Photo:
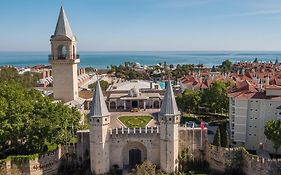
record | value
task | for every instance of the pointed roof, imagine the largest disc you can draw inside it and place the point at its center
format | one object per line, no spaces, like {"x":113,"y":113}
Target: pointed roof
{"x":63,"y":28}
{"x":276,"y":61}
{"x":169,"y":105}
{"x":98,"y":106}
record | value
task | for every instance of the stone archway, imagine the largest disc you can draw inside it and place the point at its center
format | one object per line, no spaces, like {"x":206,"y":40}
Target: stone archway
{"x":133,"y":153}
{"x":156,"y":104}
{"x":112,"y":105}
{"x":134,"y":157}
{"x":135,"y":104}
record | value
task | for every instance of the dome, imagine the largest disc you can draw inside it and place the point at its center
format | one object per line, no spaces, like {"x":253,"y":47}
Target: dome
{"x":134,"y":92}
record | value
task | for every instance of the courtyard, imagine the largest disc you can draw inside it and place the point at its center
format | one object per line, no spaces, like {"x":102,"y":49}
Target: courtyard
{"x":116,"y":123}
{"x":135,"y":121}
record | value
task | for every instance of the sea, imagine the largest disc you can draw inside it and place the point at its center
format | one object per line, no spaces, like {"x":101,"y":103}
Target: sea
{"x":101,"y":60}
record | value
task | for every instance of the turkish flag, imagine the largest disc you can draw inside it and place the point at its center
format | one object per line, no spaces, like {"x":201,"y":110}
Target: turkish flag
{"x":202,"y":125}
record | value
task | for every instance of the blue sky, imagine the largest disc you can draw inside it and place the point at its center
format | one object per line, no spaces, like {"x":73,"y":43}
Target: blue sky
{"x":144,"y":25}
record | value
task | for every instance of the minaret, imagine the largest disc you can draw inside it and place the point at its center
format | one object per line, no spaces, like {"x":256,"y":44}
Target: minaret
{"x":99,"y":119}
{"x":169,"y":118}
{"x":64,"y":61}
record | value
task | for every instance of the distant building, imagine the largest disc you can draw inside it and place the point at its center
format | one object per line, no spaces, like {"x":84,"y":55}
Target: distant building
{"x":126,"y":95}
{"x":250,"y":107}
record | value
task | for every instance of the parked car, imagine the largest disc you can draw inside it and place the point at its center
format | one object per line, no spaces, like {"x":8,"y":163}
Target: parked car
{"x":135,"y":110}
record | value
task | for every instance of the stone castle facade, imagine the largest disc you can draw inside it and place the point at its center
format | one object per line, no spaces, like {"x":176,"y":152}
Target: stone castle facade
{"x":114,"y":147}
{"x":126,"y":147}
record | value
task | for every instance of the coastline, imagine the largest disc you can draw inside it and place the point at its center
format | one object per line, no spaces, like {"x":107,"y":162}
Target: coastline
{"x":102,"y":60}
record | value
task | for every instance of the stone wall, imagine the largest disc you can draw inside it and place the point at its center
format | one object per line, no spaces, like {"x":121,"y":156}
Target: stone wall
{"x":121,"y":138}
{"x":46,"y":164}
{"x":145,"y":139}
{"x":191,"y":138}
{"x":220,"y":158}
{"x":83,"y":145}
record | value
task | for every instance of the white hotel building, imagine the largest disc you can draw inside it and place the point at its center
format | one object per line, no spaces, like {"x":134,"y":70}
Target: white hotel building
{"x":250,"y":107}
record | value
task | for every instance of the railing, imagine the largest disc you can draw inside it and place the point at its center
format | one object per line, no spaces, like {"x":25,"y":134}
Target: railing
{"x":63,"y":57}
{"x":146,"y":130}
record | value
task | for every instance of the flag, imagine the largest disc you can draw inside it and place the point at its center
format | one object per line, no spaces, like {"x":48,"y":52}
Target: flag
{"x":202,"y":125}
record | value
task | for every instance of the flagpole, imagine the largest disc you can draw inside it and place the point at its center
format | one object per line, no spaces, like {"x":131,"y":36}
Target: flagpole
{"x":193,"y":140}
{"x":201,"y":138}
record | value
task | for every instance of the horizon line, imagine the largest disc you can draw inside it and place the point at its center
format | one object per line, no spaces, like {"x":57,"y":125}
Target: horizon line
{"x":149,"y":51}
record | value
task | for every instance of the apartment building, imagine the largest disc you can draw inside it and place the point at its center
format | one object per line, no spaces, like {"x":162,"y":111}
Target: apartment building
{"x":250,"y":107}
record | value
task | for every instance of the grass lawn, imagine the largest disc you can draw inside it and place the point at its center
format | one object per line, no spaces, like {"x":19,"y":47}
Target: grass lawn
{"x":135,"y":121}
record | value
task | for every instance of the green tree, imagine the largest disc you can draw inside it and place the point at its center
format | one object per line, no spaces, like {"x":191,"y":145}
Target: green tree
{"x":215,"y":98}
{"x":104,"y":85}
{"x":256,"y":60}
{"x":223,"y":133}
{"x":146,"y":168}
{"x":30,"y":122}
{"x":217,"y":138}
{"x":226,"y":66}
{"x":89,"y":69}
{"x":189,"y":101}
{"x":27,"y":79}
{"x":273,"y":132}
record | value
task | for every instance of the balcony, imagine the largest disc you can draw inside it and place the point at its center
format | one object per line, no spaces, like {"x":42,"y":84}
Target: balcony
{"x":63,"y":57}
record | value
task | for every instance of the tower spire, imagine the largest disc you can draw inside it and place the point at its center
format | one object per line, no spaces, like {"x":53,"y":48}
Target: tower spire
{"x":98,"y":107}
{"x":63,"y":27}
{"x":169,"y":105}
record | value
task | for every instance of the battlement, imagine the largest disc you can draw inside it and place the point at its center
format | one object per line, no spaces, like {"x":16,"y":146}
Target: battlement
{"x":134,"y":131}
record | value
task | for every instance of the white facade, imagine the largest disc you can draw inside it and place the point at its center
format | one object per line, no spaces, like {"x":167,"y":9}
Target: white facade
{"x":248,"y":117}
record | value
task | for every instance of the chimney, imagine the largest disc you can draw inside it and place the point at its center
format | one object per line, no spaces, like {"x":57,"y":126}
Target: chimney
{"x":260,"y":85}
{"x":267,"y":80}
{"x":243,"y":71}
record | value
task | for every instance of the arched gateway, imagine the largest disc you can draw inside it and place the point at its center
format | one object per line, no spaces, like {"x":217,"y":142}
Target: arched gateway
{"x":133,"y":153}
{"x":127,"y":147}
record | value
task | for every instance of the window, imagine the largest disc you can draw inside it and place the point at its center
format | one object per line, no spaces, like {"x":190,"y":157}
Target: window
{"x":62,"y":52}
{"x":98,"y":120}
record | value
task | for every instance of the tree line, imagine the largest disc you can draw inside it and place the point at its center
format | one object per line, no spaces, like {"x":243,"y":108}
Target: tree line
{"x":29,"y":122}
{"x":213,"y":99}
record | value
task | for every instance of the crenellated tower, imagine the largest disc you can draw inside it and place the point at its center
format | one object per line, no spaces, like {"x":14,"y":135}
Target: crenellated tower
{"x":169,"y":118}
{"x":99,"y":119}
{"x":64,"y":61}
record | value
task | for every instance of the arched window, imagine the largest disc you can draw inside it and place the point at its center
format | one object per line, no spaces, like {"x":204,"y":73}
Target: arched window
{"x":74,"y":51}
{"x":62,"y":52}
